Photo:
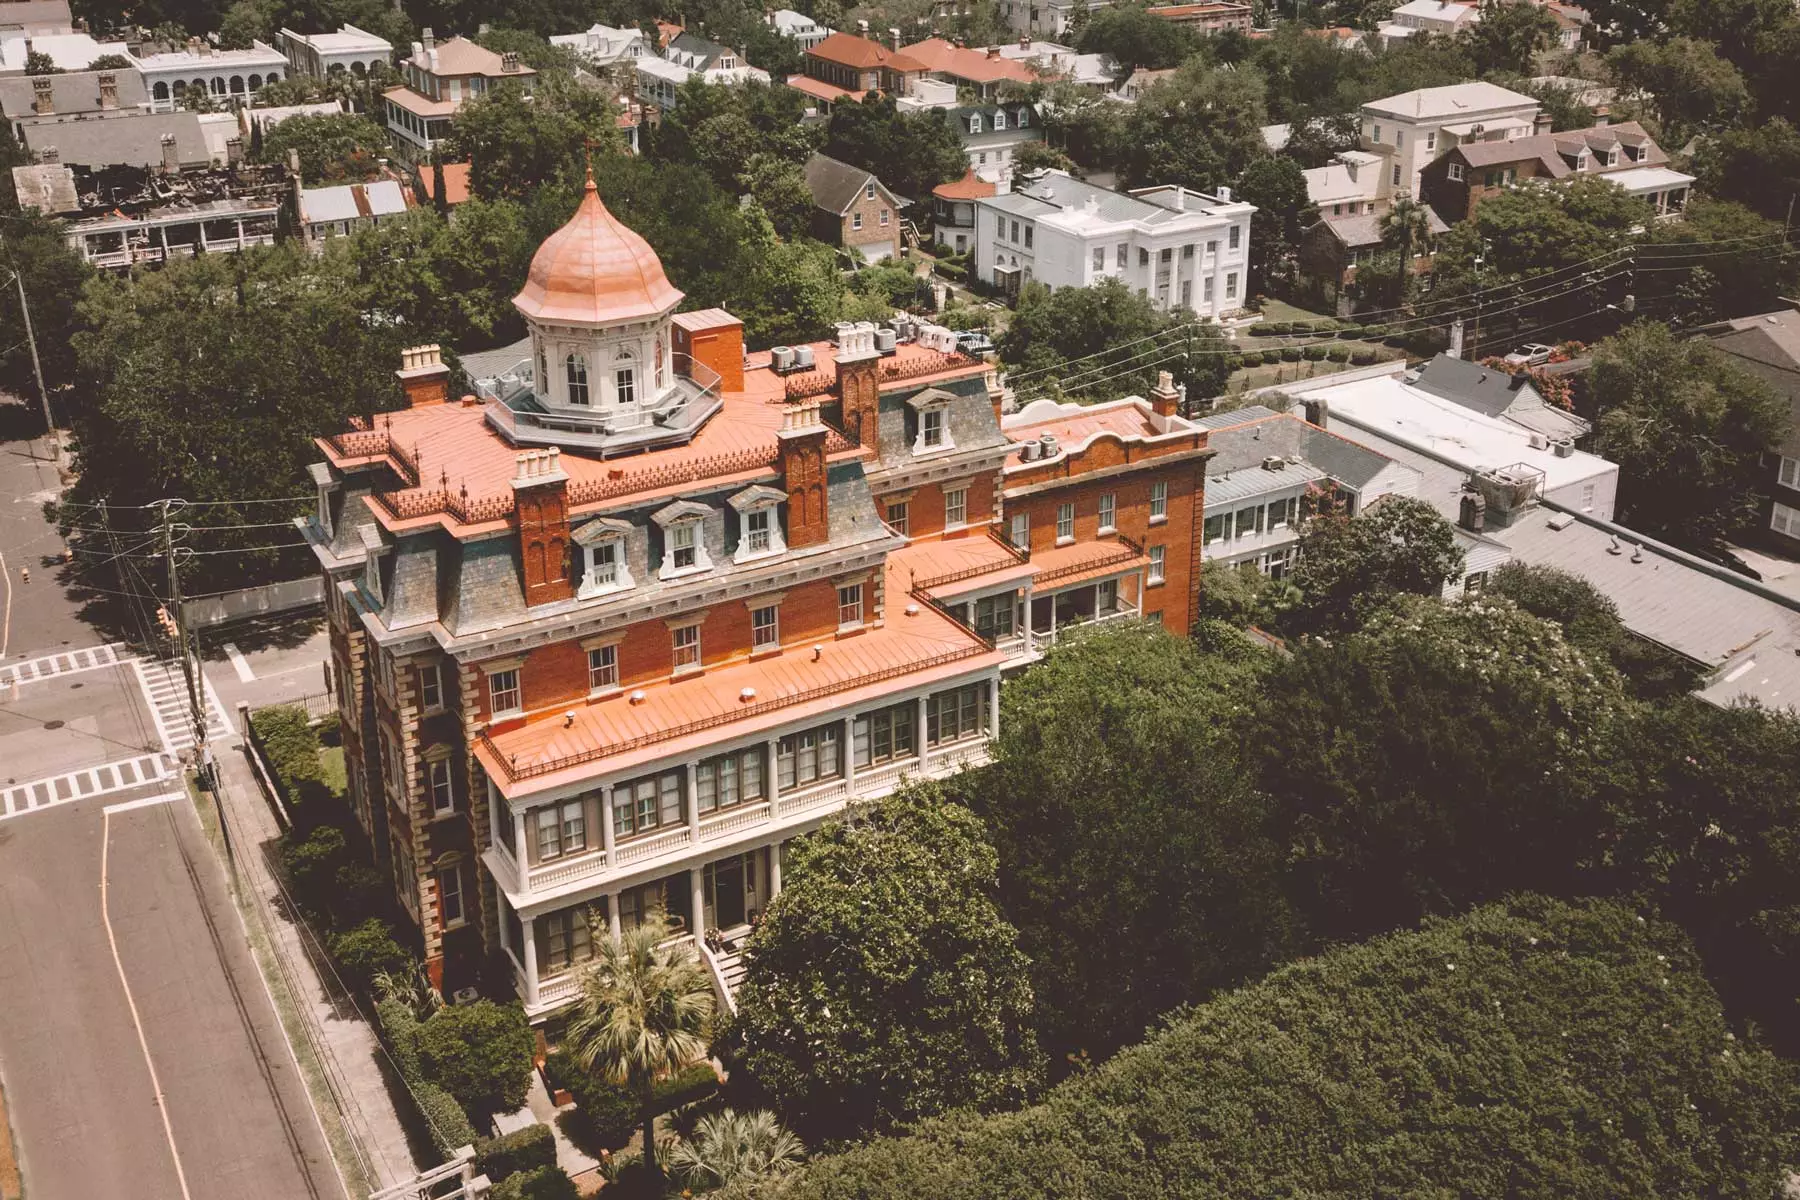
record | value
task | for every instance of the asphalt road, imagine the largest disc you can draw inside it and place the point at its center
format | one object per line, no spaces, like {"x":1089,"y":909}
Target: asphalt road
{"x":44,"y":616}
{"x":81,"y":1031}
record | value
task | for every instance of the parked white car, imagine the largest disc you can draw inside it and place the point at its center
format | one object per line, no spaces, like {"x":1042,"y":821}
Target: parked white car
{"x":1532,"y":354}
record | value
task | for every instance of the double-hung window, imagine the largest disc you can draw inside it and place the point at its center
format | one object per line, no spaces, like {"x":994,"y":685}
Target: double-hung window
{"x":1214,"y":529}
{"x":765,"y":628}
{"x":1785,"y":519}
{"x":1065,"y":522}
{"x":956,"y":506}
{"x":450,"y":897}
{"x":756,"y":529}
{"x":899,"y":517}
{"x":1157,"y":554}
{"x":810,"y":756}
{"x":994,"y":616}
{"x":1021,"y":531}
{"x":561,"y":830}
{"x":1108,"y":509}
{"x":443,"y":791}
{"x":431,"y":686}
{"x":931,"y":428}
{"x":625,"y":385}
{"x":1159,"y":500}
{"x":685,"y":645}
{"x":729,"y":779}
{"x":1790,"y":472}
{"x":1235,"y":238}
{"x":850,"y":605}
{"x":684,"y":541}
{"x":503,"y":692}
{"x":886,"y":735}
{"x":575,"y":375}
{"x":603,"y":668}
{"x":958,"y":713}
{"x":646,"y":804}
{"x":567,"y":941}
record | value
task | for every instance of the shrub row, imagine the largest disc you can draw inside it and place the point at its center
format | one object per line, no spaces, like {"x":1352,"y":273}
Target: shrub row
{"x":542,"y":1183}
{"x":290,"y":748}
{"x":950,"y":270}
{"x":609,"y":1111}
{"x":524,"y":1149}
{"x":445,"y":1119}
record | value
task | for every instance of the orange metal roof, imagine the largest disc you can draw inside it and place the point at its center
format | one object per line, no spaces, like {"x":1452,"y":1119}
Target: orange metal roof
{"x":912,"y":648}
{"x":862,"y":53}
{"x":1072,"y":429}
{"x":969,"y":187}
{"x":1066,"y":566}
{"x":959,"y":564}
{"x":419,"y":105}
{"x":818,"y":89}
{"x":595,"y":270}
{"x":977,"y":66}
{"x":456,"y":182}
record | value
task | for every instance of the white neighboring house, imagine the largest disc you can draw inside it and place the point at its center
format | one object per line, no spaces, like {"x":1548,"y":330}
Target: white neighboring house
{"x":1044,"y":18}
{"x":602,"y":45}
{"x":350,"y":49}
{"x":226,"y":75}
{"x":800,"y":28}
{"x":1378,"y":403}
{"x":1180,"y":248}
{"x":69,"y":51}
{"x":327,"y":212}
{"x":1428,"y":16}
{"x":1053,"y":59}
{"x":688,"y":55}
{"x":1412,"y":129}
{"x":1353,"y":185}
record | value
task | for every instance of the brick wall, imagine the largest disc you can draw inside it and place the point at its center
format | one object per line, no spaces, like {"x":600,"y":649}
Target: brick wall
{"x":872,"y":233}
{"x":925,"y":504}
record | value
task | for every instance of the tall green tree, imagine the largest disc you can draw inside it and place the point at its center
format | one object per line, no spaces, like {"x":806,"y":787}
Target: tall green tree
{"x":645,"y":1012}
{"x":481,"y":1053}
{"x":1132,"y":37}
{"x":884,"y":984}
{"x":910,"y":152}
{"x":1689,"y":430}
{"x":1509,"y":36}
{"x":1089,"y":341}
{"x":1201,"y":127}
{"x":1757,"y":166}
{"x":337,"y":148}
{"x":54,"y":276}
{"x":1276,"y":185}
{"x":1686,"y":83}
{"x":1135,"y":855}
{"x":1349,"y":565}
{"x":1431,"y":759}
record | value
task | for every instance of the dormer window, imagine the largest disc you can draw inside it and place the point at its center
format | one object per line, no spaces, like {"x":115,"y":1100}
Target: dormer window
{"x":576,"y":377}
{"x":1612,"y":157}
{"x":684,"y":540}
{"x":603,"y":544}
{"x":999,"y":122}
{"x":974,"y":122}
{"x":1024,"y":118}
{"x":758,"y":509}
{"x":932,"y":406}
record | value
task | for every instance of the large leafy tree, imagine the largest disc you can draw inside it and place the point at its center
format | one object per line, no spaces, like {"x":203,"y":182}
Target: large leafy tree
{"x":481,"y":1053}
{"x":1350,"y":564}
{"x":884,"y":984}
{"x":1276,"y":185}
{"x":1094,"y":342}
{"x":1534,"y":1050}
{"x":1134,"y":853}
{"x":1132,"y":37}
{"x":516,"y":145}
{"x":54,"y":276}
{"x":1686,"y":83}
{"x":1201,"y":127}
{"x":1509,"y":36}
{"x":645,"y":1012}
{"x":910,"y":152}
{"x":340,"y":148}
{"x":1590,"y":622}
{"x":1687,"y":427}
{"x":1757,"y":165}
{"x":1433,"y":758}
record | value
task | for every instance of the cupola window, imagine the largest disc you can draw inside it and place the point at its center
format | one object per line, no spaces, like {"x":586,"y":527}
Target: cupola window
{"x":575,"y":375}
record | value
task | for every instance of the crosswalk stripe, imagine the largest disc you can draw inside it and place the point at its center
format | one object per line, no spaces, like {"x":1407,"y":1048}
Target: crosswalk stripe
{"x":100,"y":780}
{"x":64,"y":662}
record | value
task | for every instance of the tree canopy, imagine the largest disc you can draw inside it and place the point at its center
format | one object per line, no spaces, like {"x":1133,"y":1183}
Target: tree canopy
{"x":884,"y":984}
{"x":1688,"y":429}
{"x":1529,"y":1050}
{"x":910,"y":152}
{"x":334,"y":148}
{"x":1349,"y":564}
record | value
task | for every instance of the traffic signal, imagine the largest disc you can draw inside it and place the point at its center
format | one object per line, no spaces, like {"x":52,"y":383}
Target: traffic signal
{"x":167,"y":622}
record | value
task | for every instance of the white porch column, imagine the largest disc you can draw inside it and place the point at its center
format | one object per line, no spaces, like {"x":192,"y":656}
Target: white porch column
{"x":1025,"y":620}
{"x":529,"y":926}
{"x":847,"y":751}
{"x":919,"y":736}
{"x":774,"y":870}
{"x":994,"y":710}
{"x":697,"y":881}
{"x":691,"y":770}
{"x":606,"y":826}
{"x":240,"y":235}
{"x":772,"y":775}
{"x":612,"y":914}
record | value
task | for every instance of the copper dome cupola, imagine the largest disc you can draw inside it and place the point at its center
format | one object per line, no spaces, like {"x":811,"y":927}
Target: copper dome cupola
{"x":595,"y":272}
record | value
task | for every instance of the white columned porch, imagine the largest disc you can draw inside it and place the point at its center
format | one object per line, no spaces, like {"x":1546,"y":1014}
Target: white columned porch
{"x":774,"y":870}
{"x":697,"y":881}
{"x":612,"y":914}
{"x":529,"y":930}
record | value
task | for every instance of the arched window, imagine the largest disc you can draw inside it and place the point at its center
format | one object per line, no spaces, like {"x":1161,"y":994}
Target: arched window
{"x":659,"y":364}
{"x":335,"y":69}
{"x":218,"y":85}
{"x":237,"y":85}
{"x":358,"y":69}
{"x":625,"y":380}
{"x":256,"y":83}
{"x":274,"y":77}
{"x":160,"y":91}
{"x":575,"y":372}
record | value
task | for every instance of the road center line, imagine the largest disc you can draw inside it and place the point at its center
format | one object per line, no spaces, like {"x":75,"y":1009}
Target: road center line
{"x":143,"y":1042}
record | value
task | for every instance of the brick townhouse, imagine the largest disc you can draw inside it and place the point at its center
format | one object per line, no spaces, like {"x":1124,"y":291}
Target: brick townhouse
{"x":609,"y":634}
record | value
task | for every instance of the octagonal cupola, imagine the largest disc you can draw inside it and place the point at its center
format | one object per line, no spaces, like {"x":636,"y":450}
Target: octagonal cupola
{"x":603,"y":372}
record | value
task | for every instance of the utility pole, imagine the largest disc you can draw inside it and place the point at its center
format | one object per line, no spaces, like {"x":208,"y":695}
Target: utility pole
{"x":178,"y":620}
{"x":36,"y":367}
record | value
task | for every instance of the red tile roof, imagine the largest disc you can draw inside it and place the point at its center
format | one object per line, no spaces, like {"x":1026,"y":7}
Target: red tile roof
{"x":848,"y":50}
{"x":976,"y":66}
{"x":456,"y":182}
{"x":680,"y":715}
{"x":969,"y":187}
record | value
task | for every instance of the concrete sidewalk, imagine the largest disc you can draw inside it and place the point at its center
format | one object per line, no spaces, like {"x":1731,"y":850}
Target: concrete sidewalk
{"x":351,"y":1061}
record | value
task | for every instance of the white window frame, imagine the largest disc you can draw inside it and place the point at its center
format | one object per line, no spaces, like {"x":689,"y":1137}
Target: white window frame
{"x":575,"y":380}
{"x":898,"y":516}
{"x":1456,"y":172}
{"x":1789,"y":472}
{"x":603,"y":668}
{"x":625,"y":384}
{"x":684,"y":647}
{"x":1109,"y":508}
{"x":503,"y":682}
{"x":765,"y":634}
{"x":851,"y":605}
{"x":452,"y":875}
{"x":592,"y":583}
{"x":1065,"y":523}
{"x":431,"y":687}
{"x":1159,"y":501}
{"x":440,"y":786}
{"x":1158,"y":558}
{"x":1785,"y":519}
{"x":683,"y":521}
{"x":1021,"y":531}
{"x":956,"y":507}
{"x":1000,"y":122}
{"x":856,"y":221}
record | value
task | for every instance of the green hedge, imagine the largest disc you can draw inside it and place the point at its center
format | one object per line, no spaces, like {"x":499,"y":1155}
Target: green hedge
{"x":368,"y":950}
{"x":685,"y":1087}
{"x":290,"y":749}
{"x":445,"y":1120}
{"x":1253,"y":358}
{"x":522,"y":1150}
{"x":544,"y":1183}
{"x":1338,"y":354}
{"x":1314,"y":353}
{"x":1362,"y":358}
{"x":1290,"y":354}
{"x":609,"y":1113}
{"x":950,"y":270}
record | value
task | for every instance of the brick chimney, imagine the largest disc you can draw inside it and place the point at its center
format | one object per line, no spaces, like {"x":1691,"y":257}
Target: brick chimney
{"x":171,"y":154}
{"x":1541,"y":123}
{"x":509,"y":62}
{"x":803,"y":475}
{"x":858,"y":379}
{"x":1164,"y":399}
{"x":541,"y":509}
{"x":41,"y":102}
{"x":234,"y":151}
{"x":423,"y":376}
{"x":109,"y":90}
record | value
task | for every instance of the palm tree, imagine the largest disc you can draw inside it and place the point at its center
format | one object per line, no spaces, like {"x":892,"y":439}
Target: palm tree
{"x":729,"y":1147}
{"x":645,"y":1012}
{"x":1405,"y":225}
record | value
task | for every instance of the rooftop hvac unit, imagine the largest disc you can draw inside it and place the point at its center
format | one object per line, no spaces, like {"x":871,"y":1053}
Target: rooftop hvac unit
{"x":1028,"y":451}
{"x":1048,"y":442}
{"x":803,"y":358}
{"x":1539,"y":442}
{"x":885,"y":341}
{"x":1563,"y":448}
{"x":782,"y":359}
{"x":1274,"y":462}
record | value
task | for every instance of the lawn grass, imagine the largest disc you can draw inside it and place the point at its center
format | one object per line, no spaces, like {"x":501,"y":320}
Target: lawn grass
{"x":345,"y":1154}
{"x":1280,"y":310}
{"x":331,"y":766}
